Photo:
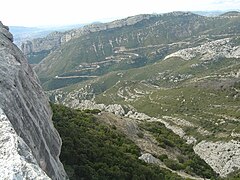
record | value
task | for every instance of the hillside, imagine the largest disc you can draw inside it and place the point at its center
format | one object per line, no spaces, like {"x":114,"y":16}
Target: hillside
{"x":130,"y":46}
{"x":179,"y":69}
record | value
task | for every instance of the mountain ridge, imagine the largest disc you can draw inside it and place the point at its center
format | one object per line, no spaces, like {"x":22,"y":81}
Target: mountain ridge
{"x":30,"y":47}
{"x":131,"y":46}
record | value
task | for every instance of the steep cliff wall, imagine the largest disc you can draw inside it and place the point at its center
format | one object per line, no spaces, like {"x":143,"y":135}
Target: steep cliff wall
{"x":50,"y":42}
{"x":29,"y":144}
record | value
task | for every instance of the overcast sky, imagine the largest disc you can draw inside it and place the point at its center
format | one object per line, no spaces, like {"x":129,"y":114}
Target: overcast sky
{"x":62,"y":12}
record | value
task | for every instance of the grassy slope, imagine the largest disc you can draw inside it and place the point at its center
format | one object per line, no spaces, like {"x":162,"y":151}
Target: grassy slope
{"x":203,"y":101}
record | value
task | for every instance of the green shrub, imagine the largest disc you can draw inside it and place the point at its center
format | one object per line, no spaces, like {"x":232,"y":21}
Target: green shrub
{"x":140,"y":134}
{"x":92,"y":111}
{"x":162,"y":157}
{"x":173,"y":164}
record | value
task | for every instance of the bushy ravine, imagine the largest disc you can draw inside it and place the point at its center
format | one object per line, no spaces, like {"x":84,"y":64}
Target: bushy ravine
{"x":94,"y":150}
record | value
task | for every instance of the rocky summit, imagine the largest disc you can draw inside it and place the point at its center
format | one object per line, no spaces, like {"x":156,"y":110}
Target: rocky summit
{"x":29,"y":144}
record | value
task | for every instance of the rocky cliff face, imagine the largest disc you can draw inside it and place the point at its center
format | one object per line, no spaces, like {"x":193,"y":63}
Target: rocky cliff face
{"x":221,"y":48}
{"x":29,"y":143}
{"x":223,"y":157}
{"x":50,"y":42}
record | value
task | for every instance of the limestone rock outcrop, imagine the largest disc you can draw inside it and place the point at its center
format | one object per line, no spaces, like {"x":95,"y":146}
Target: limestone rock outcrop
{"x":209,"y":51}
{"x":14,"y":165}
{"x":148,"y":158}
{"x":88,"y":104}
{"x":29,"y":144}
{"x":223,"y":157}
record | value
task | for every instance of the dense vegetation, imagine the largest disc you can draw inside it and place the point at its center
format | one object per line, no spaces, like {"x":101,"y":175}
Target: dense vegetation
{"x":92,"y":150}
{"x":37,"y":57}
{"x":187,"y":160}
{"x":233,"y":176}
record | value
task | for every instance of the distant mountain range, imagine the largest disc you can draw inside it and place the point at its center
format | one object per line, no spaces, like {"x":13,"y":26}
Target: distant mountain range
{"x":22,"y":34}
{"x":209,"y":13}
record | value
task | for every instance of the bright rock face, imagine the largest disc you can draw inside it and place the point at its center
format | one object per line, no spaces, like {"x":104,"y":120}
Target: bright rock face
{"x":29,"y":144}
{"x":148,"y":158}
{"x":223,"y":157}
{"x":15,"y":165}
